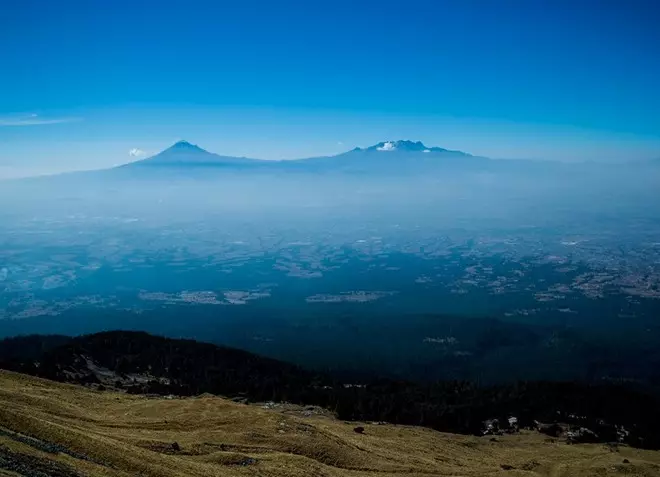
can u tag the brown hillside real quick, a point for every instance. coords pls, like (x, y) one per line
(52, 429)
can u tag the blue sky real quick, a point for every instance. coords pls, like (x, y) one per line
(84, 82)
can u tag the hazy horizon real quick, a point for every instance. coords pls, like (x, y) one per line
(138, 154)
(417, 261)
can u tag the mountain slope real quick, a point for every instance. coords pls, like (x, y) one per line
(51, 429)
(162, 365)
(140, 363)
(185, 154)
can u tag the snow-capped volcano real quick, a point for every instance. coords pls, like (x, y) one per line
(403, 145)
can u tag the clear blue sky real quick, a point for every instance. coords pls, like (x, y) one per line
(83, 82)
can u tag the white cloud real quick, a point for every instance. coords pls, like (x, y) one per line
(340, 143)
(387, 146)
(33, 120)
(136, 152)
(427, 150)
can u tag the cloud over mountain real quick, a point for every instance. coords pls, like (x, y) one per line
(388, 146)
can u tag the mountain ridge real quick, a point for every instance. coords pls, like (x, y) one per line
(184, 153)
(408, 146)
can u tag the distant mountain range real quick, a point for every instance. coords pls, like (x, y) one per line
(386, 159)
(383, 156)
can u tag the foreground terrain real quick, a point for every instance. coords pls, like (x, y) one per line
(143, 364)
(54, 429)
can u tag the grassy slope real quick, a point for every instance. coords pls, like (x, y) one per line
(122, 435)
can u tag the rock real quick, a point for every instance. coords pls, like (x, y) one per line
(581, 435)
(513, 424)
(507, 467)
(248, 461)
(176, 447)
(622, 434)
(626, 461)
(359, 429)
(490, 427)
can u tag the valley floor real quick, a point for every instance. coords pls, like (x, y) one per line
(53, 429)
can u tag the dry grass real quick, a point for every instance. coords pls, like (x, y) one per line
(110, 434)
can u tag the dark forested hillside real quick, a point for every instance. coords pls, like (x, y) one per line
(29, 348)
(141, 363)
